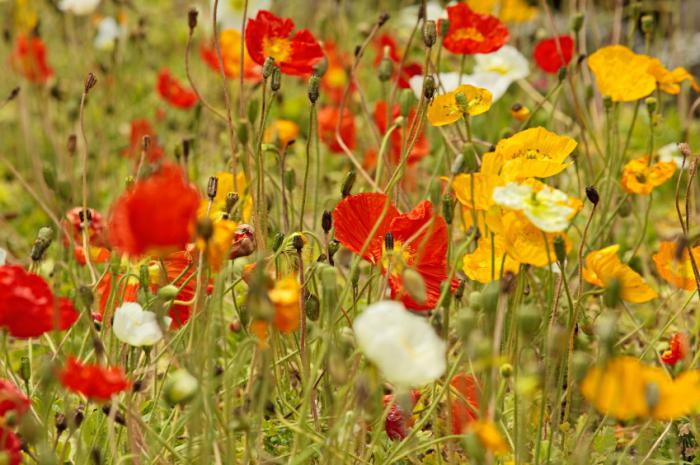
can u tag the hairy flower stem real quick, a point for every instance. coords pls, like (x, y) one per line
(307, 164)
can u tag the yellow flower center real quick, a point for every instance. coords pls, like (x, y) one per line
(502, 69)
(397, 262)
(336, 77)
(278, 48)
(468, 33)
(532, 154)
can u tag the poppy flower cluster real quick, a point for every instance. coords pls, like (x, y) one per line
(268, 35)
(28, 307)
(156, 215)
(419, 240)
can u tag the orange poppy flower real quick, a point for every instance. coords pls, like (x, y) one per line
(421, 147)
(335, 78)
(268, 35)
(286, 297)
(139, 129)
(93, 381)
(230, 46)
(327, 122)
(669, 81)
(173, 92)
(72, 224)
(603, 267)
(641, 177)
(465, 402)
(126, 292)
(283, 131)
(472, 32)
(354, 218)
(157, 215)
(675, 270)
(28, 58)
(409, 69)
(677, 349)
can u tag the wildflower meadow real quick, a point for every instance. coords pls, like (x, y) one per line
(362, 232)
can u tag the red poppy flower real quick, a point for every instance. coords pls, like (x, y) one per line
(12, 399)
(93, 381)
(230, 46)
(420, 148)
(327, 122)
(127, 292)
(29, 59)
(547, 56)
(354, 218)
(472, 32)
(139, 129)
(28, 308)
(73, 226)
(335, 79)
(157, 215)
(465, 402)
(11, 446)
(397, 421)
(268, 35)
(173, 92)
(677, 350)
(386, 42)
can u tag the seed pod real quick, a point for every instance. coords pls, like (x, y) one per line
(429, 33)
(651, 104)
(168, 292)
(407, 100)
(312, 307)
(43, 240)
(242, 132)
(268, 67)
(192, 18)
(592, 194)
(348, 183)
(506, 370)
(560, 249)
(290, 179)
(314, 86)
(647, 24)
(276, 81)
(528, 319)
(326, 221)
(489, 296)
(476, 301)
(448, 208)
(181, 387)
(429, 87)
(205, 228)
(386, 69)
(212, 187)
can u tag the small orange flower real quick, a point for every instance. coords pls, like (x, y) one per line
(677, 349)
(674, 269)
(175, 93)
(282, 130)
(641, 177)
(669, 81)
(603, 267)
(286, 296)
(230, 46)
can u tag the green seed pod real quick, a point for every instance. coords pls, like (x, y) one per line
(560, 249)
(625, 209)
(268, 67)
(489, 296)
(180, 387)
(466, 322)
(607, 102)
(355, 276)
(276, 81)
(49, 176)
(407, 99)
(242, 132)
(429, 33)
(168, 292)
(506, 370)
(561, 74)
(647, 24)
(312, 307)
(348, 183)
(86, 296)
(476, 300)
(448, 208)
(314, 86)
(651, 104)
(429, 87)
(386, 69)
(414, 285)
(253, 110)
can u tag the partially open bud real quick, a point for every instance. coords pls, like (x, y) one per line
(181, 387)
(592, 194)
(268, 67)
(429, 33)
(348, 183)
(414, 285)
(314, 86)
(519, 112)
(298, 242)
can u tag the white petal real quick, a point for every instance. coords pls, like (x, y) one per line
(512, 195)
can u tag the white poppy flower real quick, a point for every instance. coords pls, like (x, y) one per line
(495, 83)
(108, 31)
(230, 12)
(137, 327)
(506, 61)
(79, 7)
(671, 152)
(404, 346)
(433, 11)
(547, 209)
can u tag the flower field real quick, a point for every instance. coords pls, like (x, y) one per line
(349, 232)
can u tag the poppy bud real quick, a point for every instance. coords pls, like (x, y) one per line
(90, 82)
(312, 307)
(560, 249)
(383, 18)
(333, 247)
(684, 148)
(444, 27)
(168, 292)
(607, 102)
(528, 319)
(429, 87)
(625, 209)
(406, 101)
(321, 67)
(231, 201)
(13, 94)
(386, 69)
(78, 416)
(577, 22)
(519, 112)
(96, 456)
(389, 242)
(290, 179)
(61, 423)
(592, 194)
(355, 276)
(242, 132)
(348, 183)
(414, 285)
(326, 221)
(42, 243)
(298, 242)
(429, 33)
(466, 323)
(212, 187)
(476, 300)
(459, 291)
(181, 387)
(314, 85)
(276, 81)
(268, 67)
(277, 241)
(489, 297)
(448, 208)
(25, 369)
(205, 228)
(506, 370)
(651, 105)
(647, 24)
(192, 18)
(561, 74)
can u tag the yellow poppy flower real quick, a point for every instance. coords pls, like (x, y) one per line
(604, 266)
(639, 177)
(533, 153)
(282, 130)
(509, 11)
(489, 436)
(483, 187)
(219, 244)
(286, 296)
(627, 389)
(678, 272)
(669, 81)
(477, 265)
(621, 74)
(445, 109)
(547, 208)
(224, 186)
(525, 243)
